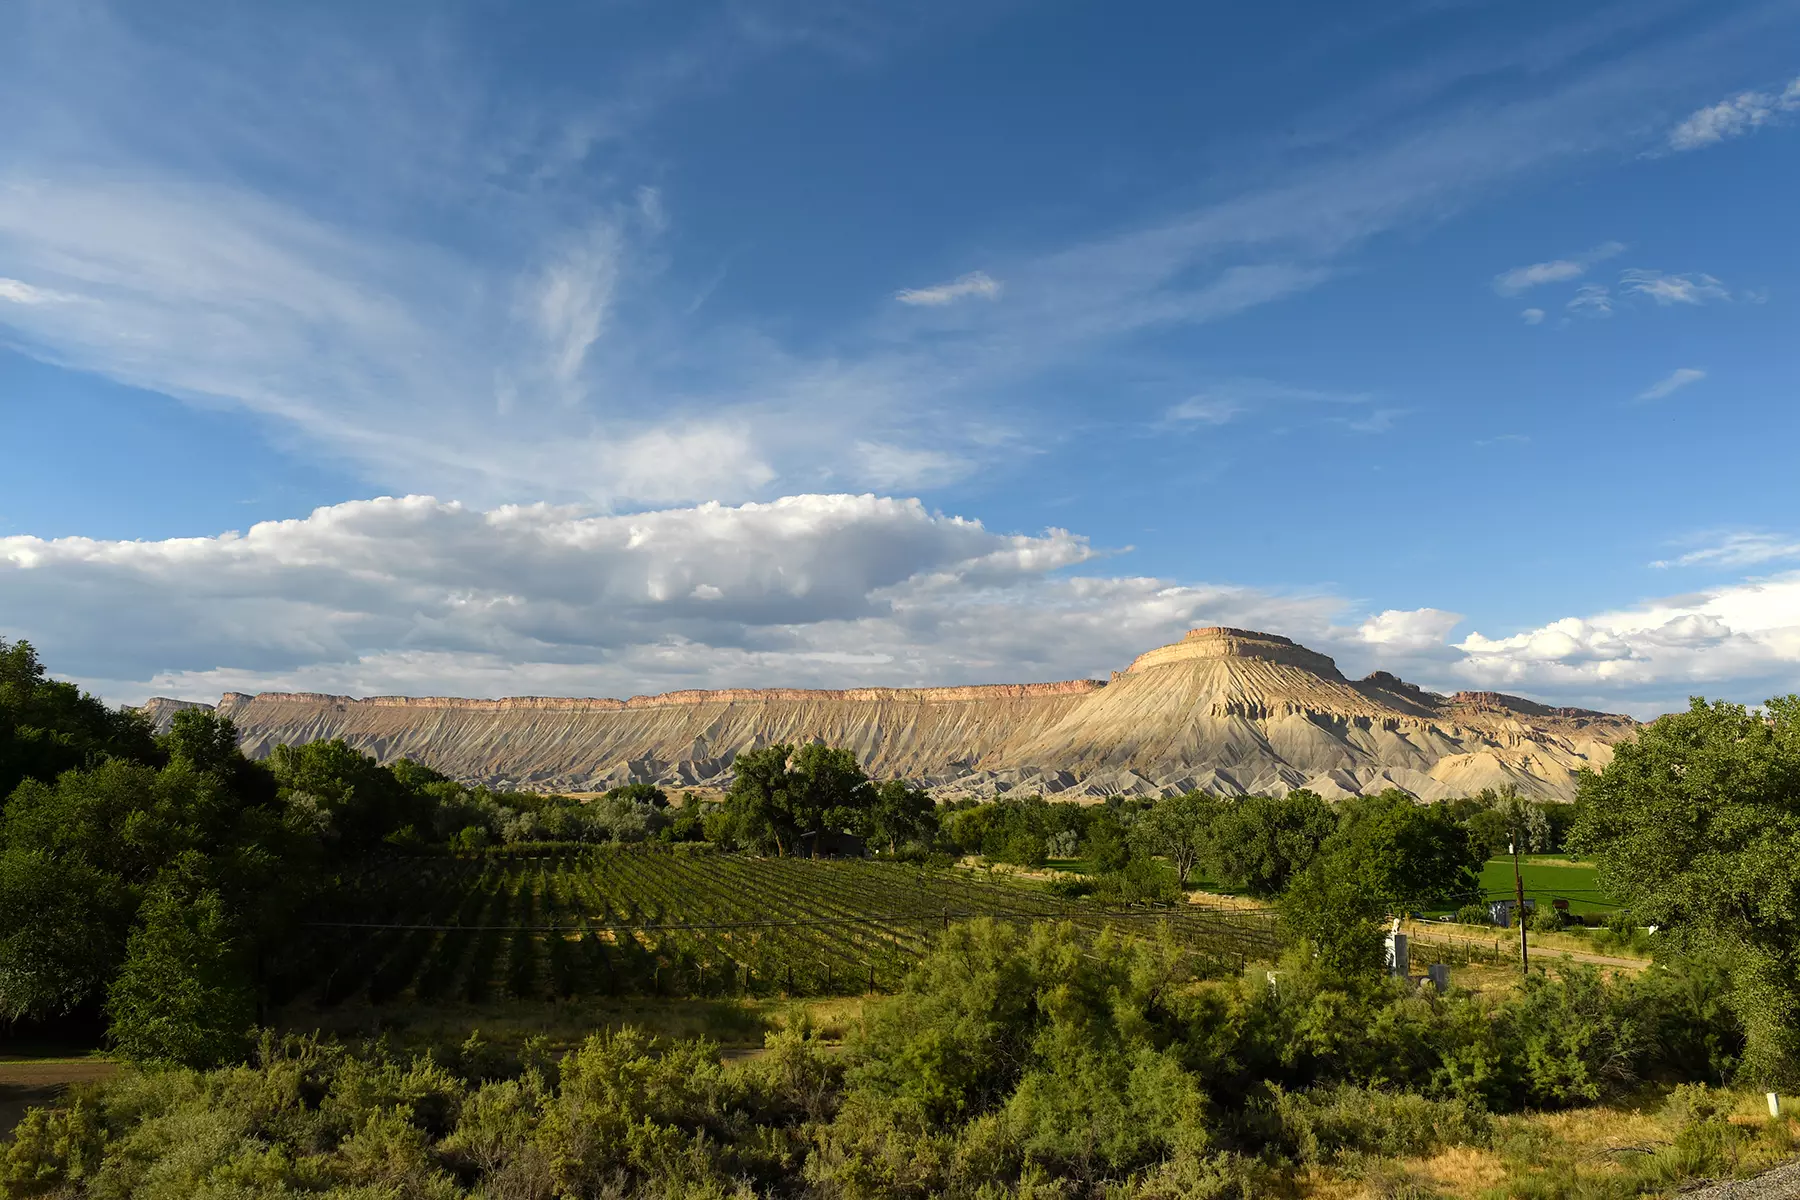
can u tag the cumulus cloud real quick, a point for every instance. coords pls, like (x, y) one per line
(1409, 629)
(1741, 549)
(1734, 117)
(1673, 382)
(1532, 316)
(975, 283)
(416, 594)
(1742, 639)
(1559, 270)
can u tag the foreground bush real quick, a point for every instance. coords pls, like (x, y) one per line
(1012, 1063)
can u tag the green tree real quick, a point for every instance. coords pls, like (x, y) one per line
(900, 814)
(63, 933)
(1180, 829)
(1387, 853)
(184, 995)
(48, 727)
(1406, 853)
(1695, 827)
(1334, 910)
(354, 800)
(640, 793)
(1105, 843)
(1260, 842)
(781, 798)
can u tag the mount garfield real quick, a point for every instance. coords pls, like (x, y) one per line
(1227, 711)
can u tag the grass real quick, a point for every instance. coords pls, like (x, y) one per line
(1548, 877)
(1645, 1145)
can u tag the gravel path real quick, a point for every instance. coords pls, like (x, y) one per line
(1783, 1183)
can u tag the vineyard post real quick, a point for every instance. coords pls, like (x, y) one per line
(871, 977)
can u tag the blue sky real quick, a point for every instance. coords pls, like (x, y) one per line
(1455, 338)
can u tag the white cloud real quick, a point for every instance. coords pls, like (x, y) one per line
(1409, 629)
(17, 291)
(1522, 279)
(1673, 289)
(1532, 316)
(976, 283)
(1733, 117)
(1673, 382)
(889, 466)
(1591, 300)
(1740, 549)
(1224, 402)
(419, 595)
(438, 297)
(1742, 639)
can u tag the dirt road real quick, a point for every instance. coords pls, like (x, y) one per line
(29, 1082)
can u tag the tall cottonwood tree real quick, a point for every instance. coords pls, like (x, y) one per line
(1695, 827)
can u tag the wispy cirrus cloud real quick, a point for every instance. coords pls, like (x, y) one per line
(1532, 316)
(1734, 116)
(1224, 402)
(17, 291)
(554, 348)
(977, 284)
(1666, 289)
(1738, 549)
(1591, 300)
(1671, 383)
(1559, 270)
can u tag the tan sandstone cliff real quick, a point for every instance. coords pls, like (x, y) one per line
(1226, 710)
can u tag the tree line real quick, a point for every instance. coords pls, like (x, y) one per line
(148, 878)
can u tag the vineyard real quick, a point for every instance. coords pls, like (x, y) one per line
(646, 921)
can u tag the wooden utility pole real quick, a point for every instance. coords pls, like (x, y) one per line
(1519, 907)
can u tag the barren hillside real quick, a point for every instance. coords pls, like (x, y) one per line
(1226, 710)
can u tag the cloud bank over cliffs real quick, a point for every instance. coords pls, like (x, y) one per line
(418, 595)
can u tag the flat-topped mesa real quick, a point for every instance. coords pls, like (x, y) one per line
(1229, 711)
(974, 693)
(1221, 641)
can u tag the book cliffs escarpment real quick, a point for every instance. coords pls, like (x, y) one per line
(1227, 711)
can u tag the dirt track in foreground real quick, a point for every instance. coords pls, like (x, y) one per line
(30, 1082)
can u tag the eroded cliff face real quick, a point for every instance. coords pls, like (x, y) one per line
(1226, 710)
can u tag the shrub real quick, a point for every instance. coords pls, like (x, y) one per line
(1326, 1124)
(1474, 914)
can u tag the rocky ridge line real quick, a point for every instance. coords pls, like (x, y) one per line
(1226, 710)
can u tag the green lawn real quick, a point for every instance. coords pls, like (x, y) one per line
(1547, 877)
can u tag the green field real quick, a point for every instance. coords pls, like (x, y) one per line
(644, 921)
(1548, 877)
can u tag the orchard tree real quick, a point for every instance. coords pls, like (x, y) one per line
(1695, 827)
